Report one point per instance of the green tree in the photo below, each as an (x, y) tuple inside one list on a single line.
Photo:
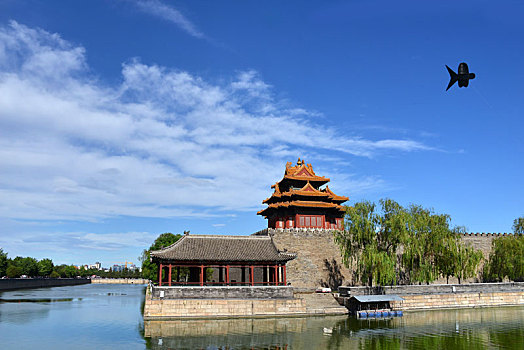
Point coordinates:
[(45, 267), (424, 243), (506, 259), (3, 262), (365, 246), (65, 271), (456, 258), (150, 269), (518, 225), (28, 265), (406, 245), (13, 271)]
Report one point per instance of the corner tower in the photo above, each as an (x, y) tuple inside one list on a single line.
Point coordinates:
[(299, 202)]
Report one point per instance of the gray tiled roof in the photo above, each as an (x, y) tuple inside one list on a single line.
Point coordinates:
[(223, 248), (377, 298)]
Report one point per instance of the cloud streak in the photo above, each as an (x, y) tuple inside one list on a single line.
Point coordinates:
[(169, 13), (163, 143)]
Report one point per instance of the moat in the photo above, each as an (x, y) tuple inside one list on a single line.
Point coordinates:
[(110, 317)]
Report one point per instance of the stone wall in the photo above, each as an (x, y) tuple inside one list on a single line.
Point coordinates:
[(318, 257), (216, 292), (482, 241), (435, 289), (459, 300), (441, 296), (215, 308), (22, 283)]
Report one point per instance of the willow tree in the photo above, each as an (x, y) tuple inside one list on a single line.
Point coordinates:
[(518, 225), (425, 243), (409, 245), (366, 246), (506, 259), (457, 258)]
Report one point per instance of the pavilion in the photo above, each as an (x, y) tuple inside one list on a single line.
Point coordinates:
[(298, 201), (212, 260)]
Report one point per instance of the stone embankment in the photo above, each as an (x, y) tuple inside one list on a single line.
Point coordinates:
[(446, 296), (25, 283), (224, 302), (119, 281), (318, 304)]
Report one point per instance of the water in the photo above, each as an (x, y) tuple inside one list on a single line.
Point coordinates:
[(110, 317)]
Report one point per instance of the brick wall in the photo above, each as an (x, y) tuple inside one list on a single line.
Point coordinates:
[(202, 308), (458, 300), (482, 241), (313, 247), (21, 283), (423, 289)]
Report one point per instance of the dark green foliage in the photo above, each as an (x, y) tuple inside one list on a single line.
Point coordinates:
[(403, 245), (149, 268), (366, 245), (28, 265), (13, 271), (66, 271), (518, 225), (506, 259), (45, 267), (3, 262)]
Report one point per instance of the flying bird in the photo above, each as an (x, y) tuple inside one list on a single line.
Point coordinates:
[(462, 77)]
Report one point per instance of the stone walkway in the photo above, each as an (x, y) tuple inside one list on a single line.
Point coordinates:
[(321, 304)]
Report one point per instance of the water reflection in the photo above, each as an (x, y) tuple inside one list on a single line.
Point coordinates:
[(448, 329), (109, 317), (74, 317), (38, 300)]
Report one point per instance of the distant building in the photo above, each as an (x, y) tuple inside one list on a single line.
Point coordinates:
[(118, 268), (96, 266)]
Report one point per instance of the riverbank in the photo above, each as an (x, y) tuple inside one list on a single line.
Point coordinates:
[(226, 302), (119, 281), (444, 296), (25, 283)]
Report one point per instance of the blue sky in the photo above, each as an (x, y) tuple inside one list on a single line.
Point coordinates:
[(120, 120)]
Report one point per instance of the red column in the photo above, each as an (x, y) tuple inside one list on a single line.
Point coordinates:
[(227, 275), (284, 275), (201, 275), (160, 275), (252, 275), (169, 280), (275, 277), (297, 222)]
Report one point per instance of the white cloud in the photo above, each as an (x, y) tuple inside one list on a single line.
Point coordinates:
[(163, 143), (169, 13)]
